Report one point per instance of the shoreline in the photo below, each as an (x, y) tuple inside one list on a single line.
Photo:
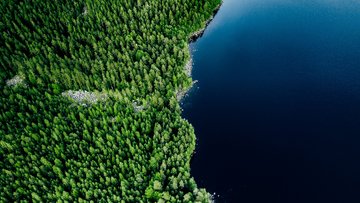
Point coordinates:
[(197, 34), (181, 93)]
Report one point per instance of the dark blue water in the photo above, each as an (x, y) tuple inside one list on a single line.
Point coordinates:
[(277, 109)]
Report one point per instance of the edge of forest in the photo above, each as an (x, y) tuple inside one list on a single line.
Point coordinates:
[(192, 39), (197, 34), (189, 65)]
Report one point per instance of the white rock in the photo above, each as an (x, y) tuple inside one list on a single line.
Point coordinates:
[(16, 80), (82, 96)]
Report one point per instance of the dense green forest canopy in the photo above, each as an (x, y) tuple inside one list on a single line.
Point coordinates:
[(88, 107)]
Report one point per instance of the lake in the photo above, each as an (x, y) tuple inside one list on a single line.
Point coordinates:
[(276, 110)]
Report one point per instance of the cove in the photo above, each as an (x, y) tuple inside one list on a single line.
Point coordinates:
[(276, 109)]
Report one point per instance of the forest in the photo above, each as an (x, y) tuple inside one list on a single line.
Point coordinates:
[(88, 100)]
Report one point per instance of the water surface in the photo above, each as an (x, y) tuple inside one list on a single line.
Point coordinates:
[(277, 109)]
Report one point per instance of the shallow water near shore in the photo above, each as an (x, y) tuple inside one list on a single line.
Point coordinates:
[(276, 109)]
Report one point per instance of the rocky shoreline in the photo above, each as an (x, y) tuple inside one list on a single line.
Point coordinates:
[(196, 35), (181, 93), (188, 67)]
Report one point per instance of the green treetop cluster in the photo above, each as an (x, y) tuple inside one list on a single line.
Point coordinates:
[(124, 139)]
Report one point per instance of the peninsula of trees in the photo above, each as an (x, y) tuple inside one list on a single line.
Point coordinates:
[(88, 107)]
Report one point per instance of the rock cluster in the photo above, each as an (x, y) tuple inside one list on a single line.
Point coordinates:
[(82, 96), (188, 67), (137, 107), (17, 80)]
